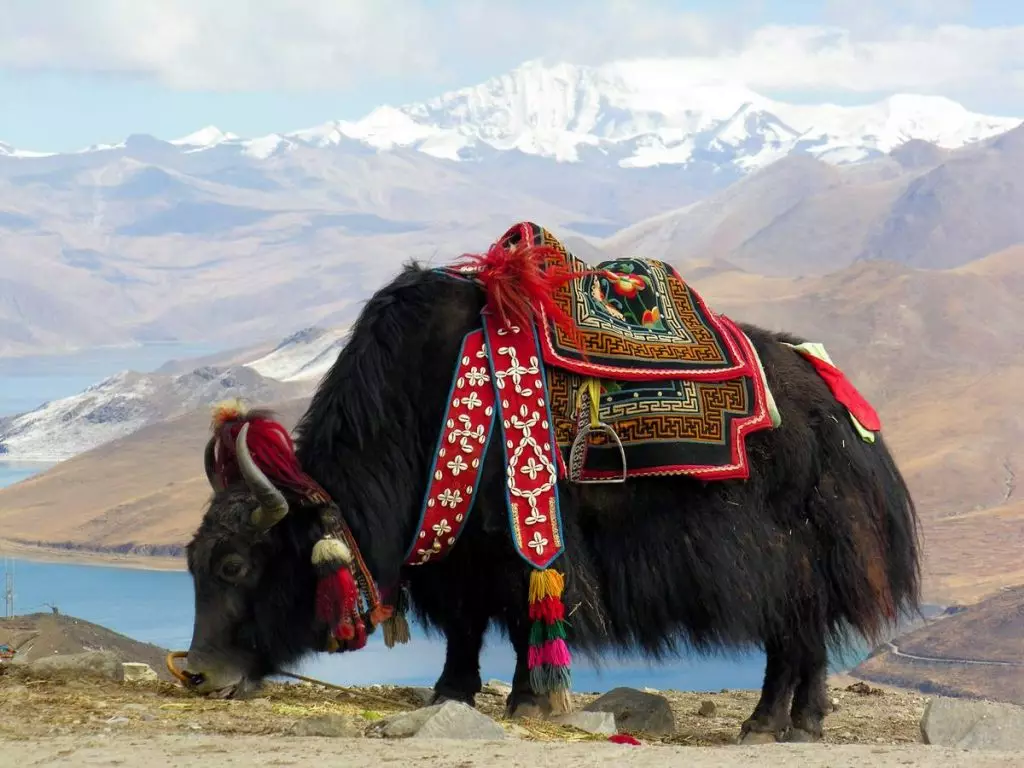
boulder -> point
(601, 723)
(636, 711)
(450, 720)
(88, 664)
(137, 672)
(970, 724)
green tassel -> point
(541, 633)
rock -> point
(498, 687)
(707, 708)
(967, 724)
(137, 672)
(89, 664)
(425, 695)
(333, 726)
(451, 720)
(602, 723)
(864, 689)
(636, 711)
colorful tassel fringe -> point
(549, 659)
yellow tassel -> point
(331, 551)
(227, 410)
(396, 630)
(546, 583)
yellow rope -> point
(590, 387)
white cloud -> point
(303, 44)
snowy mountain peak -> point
(654, 111)
(635, 113)
(210, 136)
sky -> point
(79, 72)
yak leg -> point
(770, 718)
(460, 678)
(810, 699)
(522, 701)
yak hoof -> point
(799, 735)
(528, 711)
(440, 698)
(757, 737)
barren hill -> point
(141, 494)
(974, 652)
(933, 209)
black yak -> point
(818, 541)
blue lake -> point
(156, 606)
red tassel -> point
(336, 597)
(548, 610)
(359, 635)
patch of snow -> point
(303, 357)
(123, 404)
(210, 136)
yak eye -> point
(231, 567)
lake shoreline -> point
(62, 556)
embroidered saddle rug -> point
(653, 382)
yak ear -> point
(210, 463)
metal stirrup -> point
(587, 403)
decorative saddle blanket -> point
(675, 388)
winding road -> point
(894, 649)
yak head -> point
(249, 561)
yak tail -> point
(875, 572)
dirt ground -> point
(97, 722)
(35, 709)
(204, 751)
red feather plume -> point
(270, 445)
(517, 285)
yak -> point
(819, 541)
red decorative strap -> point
(531, 454)
(459, 455)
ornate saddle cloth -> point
(636, 319)
(680, 386)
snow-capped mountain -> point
(638, 113)
(128, 401)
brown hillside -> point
(143, 493)
(929, 209)
(977, 652)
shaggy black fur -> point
(820, 540)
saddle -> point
(647, 380)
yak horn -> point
(209, 459)
(273, 505)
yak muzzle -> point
(203, 676)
